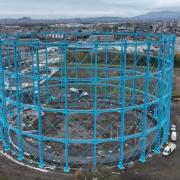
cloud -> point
(167, 4)
(83, 8)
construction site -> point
(71, 100)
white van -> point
(169, 149)
(173, 127)
(173, 136)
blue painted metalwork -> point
(39, 110)
(122, 75)
(4, 120)
(145, 108)
(18, 107)
(66, 168)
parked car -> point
(169, 149)
(78, 92)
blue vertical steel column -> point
(66, 168)
(134, 73)
(18, 107)
(9, 82)
(91, 73)
(1, 113)
(106, 69)
(166, 91)
(95, 107)
(161, 101)
(19, 60)
(120, 74)
(173, 41)
(39, 109)
(121, 70)
(33, 76)
(106, 74)
(60, 70)
(145, 107)
(6, 144)
(171, 59)
(123, 79)
(76, 68)
(157, 85)
(47, 83)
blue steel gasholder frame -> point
(72, 98)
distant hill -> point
(156, 16)
(151, 16)
(25, 18)
(97, 19)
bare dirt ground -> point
(156, 168)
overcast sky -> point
(83, 8)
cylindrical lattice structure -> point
(73, 99)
